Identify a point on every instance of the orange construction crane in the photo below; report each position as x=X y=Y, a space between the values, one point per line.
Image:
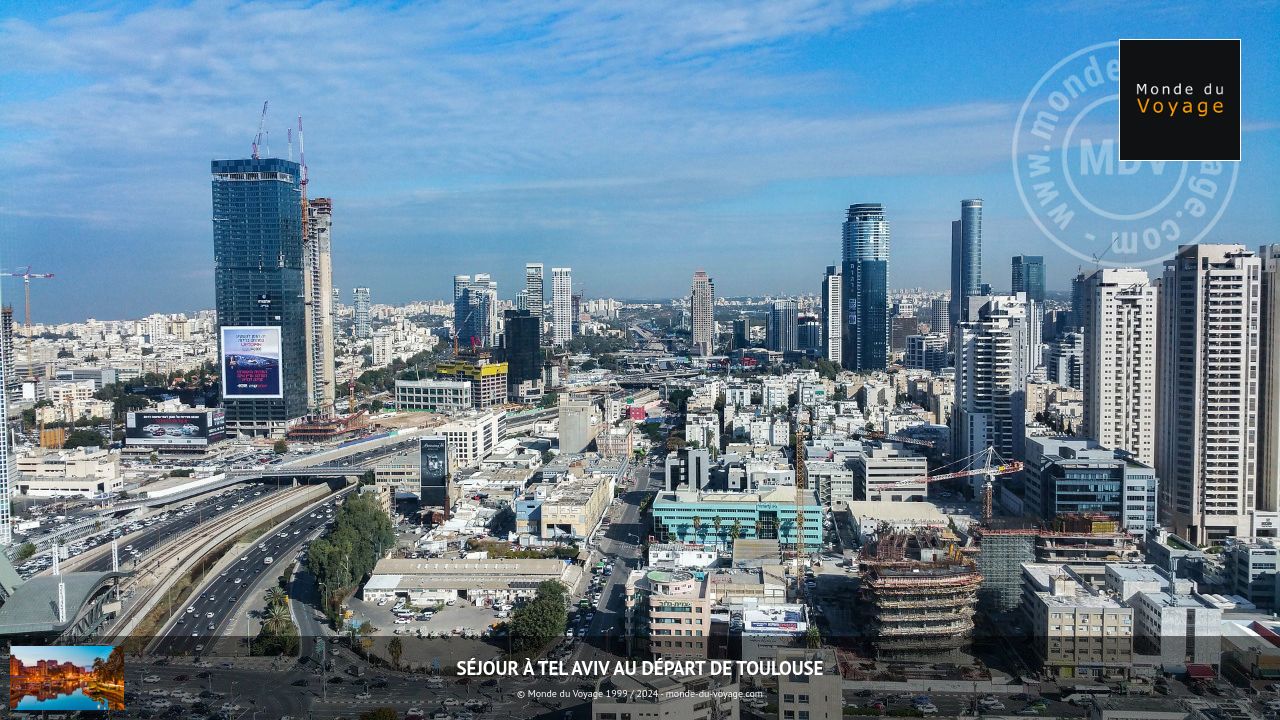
x=27 y=275
x=989 y=468
x=877 y=435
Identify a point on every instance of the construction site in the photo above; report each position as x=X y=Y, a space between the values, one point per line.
x=918 y=595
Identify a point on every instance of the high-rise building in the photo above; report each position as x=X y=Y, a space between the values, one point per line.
x=562 y=305
x=1064 y=361
x=258 y=283
x=865 y=268
x=360 y=298
x=1119 y=360
x=809 y=333
x=534 y=289
x=742 y=333
x=926 y=352
x=6 y=461
x=940 y=315
x=521 y=335
x=832 y=325
x=1269 y=390
x=996 y=352
x=9 y=371
x=782 y=334
x=966 y=259
x=317 y=286
x=475 y=310
x=1028 y=277
x=702 y=307
x=1207 y=391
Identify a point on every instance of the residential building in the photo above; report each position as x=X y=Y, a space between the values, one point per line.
x=317 y=286
x=1064 y=361
x=1074 y=476
x=1179 y=628
x=865 y=269
x=691 y=697
x=258 y=283
x=1076 y=630
x=442 y=396
x=475 y=310
x=383 y=348
x=1252 y=570
x=535 y=293
x=472 y=437
x=810 y=697
x=940 y=316
x=617 y=442
x=782 y=333
x=1028 y=277
x=1118 y=314
x=966 y=260
x=890 y=471
x=687 y=468
x=8 y=364
x=488 y=378
x=562 y=305
x=702 y=308
x=832 y=318
x=573 y=507
x=995 y=353
x=1207 y=391
x=671 y=609
x=360 y=304
x=926 y=352
x=6 y=450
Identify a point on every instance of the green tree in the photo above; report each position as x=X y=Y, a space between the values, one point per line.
x=375 y=405
x=549 y=400
x=25 y=551
x=281 y=447
x=275 y=596
x=395 y=649
x=813 y=637
x=83 y=437
x=541 y=620
x=697 y=525
x=717 y=522
x=380 y=713
x=735 y=530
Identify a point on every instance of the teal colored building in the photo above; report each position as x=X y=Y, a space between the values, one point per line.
x=716 y=518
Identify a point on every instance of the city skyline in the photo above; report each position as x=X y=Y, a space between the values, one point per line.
x=95 y=155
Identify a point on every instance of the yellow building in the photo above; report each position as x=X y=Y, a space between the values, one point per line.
x=488 y=379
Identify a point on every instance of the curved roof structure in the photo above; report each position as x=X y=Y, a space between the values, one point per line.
x=33 y=607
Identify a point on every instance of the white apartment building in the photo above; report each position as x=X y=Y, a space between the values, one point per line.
x=995 y=354
x=703 y=427
x=443 y=396
x=811 y=697
x=738 y=395
x=1119 y=373
x=317 y=287
x=1180 y=628
x=774 y=393
x=384 y=348
x=1207 y=396
x=832 y=317
x=890 y=471
x=472 y=437
x=702 y=310
x=562 y=305
x=1269 y=391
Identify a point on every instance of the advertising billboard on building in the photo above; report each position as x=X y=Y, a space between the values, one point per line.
x=251 y=363
x=176 y=430
x=434 y=456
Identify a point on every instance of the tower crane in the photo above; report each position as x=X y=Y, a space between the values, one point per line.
x=27 y=276
x=992 y=467
x=802 y=488
x=262 y=124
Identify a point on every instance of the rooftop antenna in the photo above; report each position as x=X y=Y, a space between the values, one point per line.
x=262 y=122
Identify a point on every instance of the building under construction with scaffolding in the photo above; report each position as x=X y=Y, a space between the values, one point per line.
x=918 y=597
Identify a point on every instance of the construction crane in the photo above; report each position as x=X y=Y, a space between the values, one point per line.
x=27 y=276
x=877 y=435
x=262 y=124
x=992 y=466
x=802 y=487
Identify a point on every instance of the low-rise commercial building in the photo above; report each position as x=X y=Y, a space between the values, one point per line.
x=82 y=472
x=635 y=697
x=810 y=696
x=890 y=471
x=443 y=396
x=430 y=582
x=1076 y=630
x=472 y=437
x=714 y=517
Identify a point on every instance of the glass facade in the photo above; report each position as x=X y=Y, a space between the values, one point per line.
x=1028 y=277
x=258 y=276
x=966 y=259
x=865 y=269
x=522 y=332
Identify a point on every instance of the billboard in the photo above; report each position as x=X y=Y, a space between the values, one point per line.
x=251 y=363
x=178 y=429
x=434 y=458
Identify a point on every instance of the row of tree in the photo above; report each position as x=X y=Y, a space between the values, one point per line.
x=340 y=560
x=542 y=620
x=278 y=635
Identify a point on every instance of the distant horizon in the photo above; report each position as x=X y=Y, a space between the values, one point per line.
x=79 y=655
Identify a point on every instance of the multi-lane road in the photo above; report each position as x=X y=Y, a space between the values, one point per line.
x=212 y=613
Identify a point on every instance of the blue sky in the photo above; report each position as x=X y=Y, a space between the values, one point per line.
x=82 y=655
x=635 y=142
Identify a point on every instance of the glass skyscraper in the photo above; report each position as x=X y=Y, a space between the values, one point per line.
x=258 y=277
x=865 y=269
x=1028 y=277
x=966 y=259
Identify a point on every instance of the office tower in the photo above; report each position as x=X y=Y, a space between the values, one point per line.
x=522 y=300
x=1079 y=293
x=1207 y=391
x=781 y=334
x=1118 y=313
x=926 y=352
x=534 y=289
x=1269 y=389
x=521 y=335
x=996 y=351
x=360 y=304
x=940 y=315
x=742 y=333
x=966 y=259
x=475 y=310
x=809 y=333
x=1064 y=361
x=258 y=282
x=317 y=287
x=562 y=305
x=577 y=313
x=9 y=370
x=899 y=328
x=702 y=308
x=865 y=267
x=832 y=325
x=1028 y=277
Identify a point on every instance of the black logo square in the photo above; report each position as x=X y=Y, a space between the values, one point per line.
x=1180 y=100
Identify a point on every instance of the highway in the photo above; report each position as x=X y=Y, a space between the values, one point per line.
x=208 y=615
